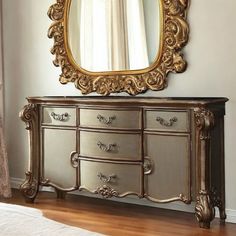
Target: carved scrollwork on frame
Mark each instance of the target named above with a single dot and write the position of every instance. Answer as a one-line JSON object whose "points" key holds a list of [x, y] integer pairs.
{"points": [[185, 199], [107, 191], [181, 198], [29, 115], [175, 31], [205, 122], [30, 187]]}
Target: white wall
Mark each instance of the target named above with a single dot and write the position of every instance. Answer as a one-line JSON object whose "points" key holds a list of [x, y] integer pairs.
{"points": [[29, 71]]}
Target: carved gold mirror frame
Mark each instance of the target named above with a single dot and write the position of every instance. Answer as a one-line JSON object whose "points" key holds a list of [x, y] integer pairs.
{"points": [[174, 36]]}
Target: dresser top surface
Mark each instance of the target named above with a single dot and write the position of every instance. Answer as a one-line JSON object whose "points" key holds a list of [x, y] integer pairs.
{"points": [[123, 100]]}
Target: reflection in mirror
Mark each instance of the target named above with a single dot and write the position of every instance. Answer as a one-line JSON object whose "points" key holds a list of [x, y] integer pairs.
{"points": [[114, 35]]}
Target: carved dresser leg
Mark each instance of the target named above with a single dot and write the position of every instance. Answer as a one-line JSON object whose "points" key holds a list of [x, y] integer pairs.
{"points": [[204, 210], [30, 187]]}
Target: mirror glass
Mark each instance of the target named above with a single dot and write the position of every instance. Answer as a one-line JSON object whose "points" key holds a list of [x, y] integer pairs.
{"points": [[114, 35]]}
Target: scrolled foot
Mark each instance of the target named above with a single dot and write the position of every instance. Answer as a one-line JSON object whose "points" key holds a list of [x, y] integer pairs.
{"points": [[204, 210], [29, 188]]}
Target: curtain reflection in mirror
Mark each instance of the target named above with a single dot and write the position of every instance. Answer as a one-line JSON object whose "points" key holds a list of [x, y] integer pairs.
{"points": [[109, 35]]}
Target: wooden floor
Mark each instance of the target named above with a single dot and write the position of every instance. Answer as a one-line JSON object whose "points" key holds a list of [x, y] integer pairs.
{"points": [[119, 219]]}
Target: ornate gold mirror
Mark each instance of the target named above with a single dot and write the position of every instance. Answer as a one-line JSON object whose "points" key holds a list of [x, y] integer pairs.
{"points": [[110, 46]]}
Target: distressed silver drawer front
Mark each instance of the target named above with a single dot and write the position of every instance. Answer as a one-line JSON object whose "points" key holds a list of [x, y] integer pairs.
{"points": [[122, 178], [126, 119], [167, 120], [110, 145], [61, 116]]}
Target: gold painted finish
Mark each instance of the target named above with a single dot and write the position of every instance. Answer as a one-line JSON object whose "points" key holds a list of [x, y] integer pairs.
{"points": [[174, 36], [180, 158]]}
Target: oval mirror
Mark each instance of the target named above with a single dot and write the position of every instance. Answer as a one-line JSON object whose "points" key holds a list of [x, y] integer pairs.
{"points": [[111, 46], [113, 35]]}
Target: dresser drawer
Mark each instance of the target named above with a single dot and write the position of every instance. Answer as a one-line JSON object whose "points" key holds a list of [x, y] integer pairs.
{"points": [[109, 145], [167, 120], [61, 116], [122, 178], [126, 119]]}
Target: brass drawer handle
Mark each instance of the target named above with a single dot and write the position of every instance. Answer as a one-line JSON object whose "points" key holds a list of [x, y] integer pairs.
{"points": [[62, 117], [113, 147], [106, 179], [167, 123], [106, 121]]}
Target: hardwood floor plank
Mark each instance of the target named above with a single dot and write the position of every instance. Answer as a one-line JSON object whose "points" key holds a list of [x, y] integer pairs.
{"points": [[121, 219]]}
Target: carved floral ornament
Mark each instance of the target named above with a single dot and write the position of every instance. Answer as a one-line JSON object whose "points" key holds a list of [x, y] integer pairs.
{"points": [[174, 36]]}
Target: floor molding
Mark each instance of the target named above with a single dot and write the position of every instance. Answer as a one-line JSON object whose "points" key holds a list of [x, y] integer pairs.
{"points": [[178, 206]]}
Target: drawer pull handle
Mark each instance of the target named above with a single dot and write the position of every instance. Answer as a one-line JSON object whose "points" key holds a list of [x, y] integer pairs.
{"points": [[167, 123], [104, 120], [74, 159], [107, 147], [106, 179], [62, 117], [147, 165]]}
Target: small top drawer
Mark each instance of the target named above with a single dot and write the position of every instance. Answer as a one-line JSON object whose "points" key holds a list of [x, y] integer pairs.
{"points": [[167, 120], [61, 116], [123, 119]]}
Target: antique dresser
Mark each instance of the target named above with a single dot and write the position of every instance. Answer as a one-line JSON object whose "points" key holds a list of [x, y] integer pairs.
{"points": [[162, 149]]}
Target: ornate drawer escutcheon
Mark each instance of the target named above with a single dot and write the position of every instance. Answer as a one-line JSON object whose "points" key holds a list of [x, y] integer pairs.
{"points": [[106, 179], [113, 147], [167, 123], [60, 117], [104, 120]]}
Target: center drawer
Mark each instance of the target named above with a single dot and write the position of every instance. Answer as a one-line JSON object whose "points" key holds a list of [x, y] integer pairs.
{"points": [[110, 145], [110, 118], [122, 178]]}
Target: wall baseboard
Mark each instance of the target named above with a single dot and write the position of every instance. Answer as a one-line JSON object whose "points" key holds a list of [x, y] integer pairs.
{"points": [[177, 206]]}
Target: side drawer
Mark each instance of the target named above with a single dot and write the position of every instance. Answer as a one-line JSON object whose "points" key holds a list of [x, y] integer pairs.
{"points": [[161, 120], [114, 179], [60, 116], [109, 145], [97, 118]]}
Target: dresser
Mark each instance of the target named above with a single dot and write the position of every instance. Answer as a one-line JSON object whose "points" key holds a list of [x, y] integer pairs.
{"points": [[161, 149]]}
